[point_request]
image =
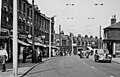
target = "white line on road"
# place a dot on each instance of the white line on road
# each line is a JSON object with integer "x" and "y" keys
{"x": 111, "y": 76}
{"x": 93, "y": 67}
{"x": 84, "y": 63}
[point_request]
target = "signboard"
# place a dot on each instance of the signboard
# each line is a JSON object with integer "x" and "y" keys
{"x": 22, "y": 36}
{"x": 38, "y": 39}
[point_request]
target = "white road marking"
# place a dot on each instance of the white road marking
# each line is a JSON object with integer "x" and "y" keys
{"x": 84, "y": 63}
{"x": 93, "y": 67}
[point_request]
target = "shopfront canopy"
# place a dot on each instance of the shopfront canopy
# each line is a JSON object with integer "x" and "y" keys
{"x": 23, "y": 43}
{"x": 36, "y": 43}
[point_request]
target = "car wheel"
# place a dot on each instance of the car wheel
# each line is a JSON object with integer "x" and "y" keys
{"x": 110, "y": 61}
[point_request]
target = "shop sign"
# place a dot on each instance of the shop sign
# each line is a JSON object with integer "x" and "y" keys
{"x": 38, "y": 39}
{"x": 22, "y": 36}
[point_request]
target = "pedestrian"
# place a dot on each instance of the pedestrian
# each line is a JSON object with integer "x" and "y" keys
{"x": 40, "y": 56}
{"x": 3, "y": 58}
{"x": 24, "y": 55}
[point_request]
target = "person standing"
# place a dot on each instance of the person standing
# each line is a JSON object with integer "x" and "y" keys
{"x": 24, "y": 55}
{"x": 3, "y": 58}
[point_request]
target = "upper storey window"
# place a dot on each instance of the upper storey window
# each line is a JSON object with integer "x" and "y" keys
{"x": 20, "y": 5}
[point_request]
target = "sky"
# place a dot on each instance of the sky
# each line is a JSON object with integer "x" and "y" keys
{"x": 80, "y": 12}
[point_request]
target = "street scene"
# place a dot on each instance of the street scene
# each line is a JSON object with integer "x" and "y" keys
{"x": 59, "y": 38}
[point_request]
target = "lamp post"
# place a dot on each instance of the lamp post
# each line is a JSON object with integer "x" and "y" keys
{"x": 70, "y": 4}
{"x": 0, "y": 14}
{"x": 50, "y": 36}
{"x": 15, "y": 43}
{"x": 33, "y": 37}
{"x": 101, "y": 4}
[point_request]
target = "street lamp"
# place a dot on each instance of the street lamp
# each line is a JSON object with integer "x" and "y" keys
{"x": 33, "y": 37}
{"x": 50, "y": 36}
{"x": 90, "y": 18}
{"x": 70, "y": 18}
{"x": 70, "y": 4}
{"x": 0, "y": 15}
{"x": 101, "y": 4}
{"x": 15, "y": 43}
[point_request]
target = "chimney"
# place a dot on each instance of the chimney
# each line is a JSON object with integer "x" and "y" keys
{"x": 113, "y": 19}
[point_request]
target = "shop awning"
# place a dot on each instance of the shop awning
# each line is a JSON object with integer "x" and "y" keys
{"x": 54, "y": 47}
{"x": 37, "y": 43}
{"x": 4, "y": 37}
{"x": 23, "y": 43}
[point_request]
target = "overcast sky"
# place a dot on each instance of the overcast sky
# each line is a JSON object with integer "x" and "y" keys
{"x": 80, "y": 12}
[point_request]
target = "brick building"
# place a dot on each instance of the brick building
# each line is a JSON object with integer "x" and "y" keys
{"x": 112, "y": 37}
{"x": 41, "y": 25}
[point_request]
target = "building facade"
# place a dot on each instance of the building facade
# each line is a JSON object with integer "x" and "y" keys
{"x": 112, "y": 37}
{"x": 41, "y": 25}
{"x": 78, "y": 42}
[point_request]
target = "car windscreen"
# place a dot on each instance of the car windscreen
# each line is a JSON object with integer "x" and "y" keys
{"x": 100, "y": 51}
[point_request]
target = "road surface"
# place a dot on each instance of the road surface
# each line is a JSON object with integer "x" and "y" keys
{"x": 73, "y": 66}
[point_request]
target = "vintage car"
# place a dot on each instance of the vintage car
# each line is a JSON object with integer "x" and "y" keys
{"x": 83, "y": 53}
{"x": 102, "y": 55}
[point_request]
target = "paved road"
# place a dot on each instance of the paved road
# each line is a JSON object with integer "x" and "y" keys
{"x": 112, "y": 69}
{"x": 73, "y": 66}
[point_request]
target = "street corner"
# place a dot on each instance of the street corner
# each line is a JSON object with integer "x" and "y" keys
{"x": 6, "y": 73}
{"x": 23, "y": 70}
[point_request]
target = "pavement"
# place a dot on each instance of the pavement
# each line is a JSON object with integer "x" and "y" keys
{"x": 23, "y": 68}
{"x": 116, "y": 60}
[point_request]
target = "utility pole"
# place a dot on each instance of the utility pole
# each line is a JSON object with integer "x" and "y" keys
{"x": 50, "y": 35}
{"x": 100, "y": 32}
{"x": 71, "y": 37}
{"x": 100, "y": 38}
{"x": 50, "y": 39}
{"x": 33, "y": 36}
{"x": 60, "y": 37}
{"x": 72, "y": 44}
{"x": 15, "y": 42}
{"x": 0, "y": 14}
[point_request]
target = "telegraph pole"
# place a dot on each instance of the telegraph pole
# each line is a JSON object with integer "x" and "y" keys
{"x": 60, "y": 37}
{"x": 15, "y": 43}
{"x": 100, "y": 38}
{"x": 100, "y": 32}
{"x": 50, "y": 39}
{"x": 33, "y": 36}
{"x": 50, "y": 35}
{"x": 72, "y": 44}
{"x": 0, "y": 14}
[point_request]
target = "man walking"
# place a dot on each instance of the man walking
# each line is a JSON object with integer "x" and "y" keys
{"x": 3, "y": 57}
{"x": 24, "y": 55}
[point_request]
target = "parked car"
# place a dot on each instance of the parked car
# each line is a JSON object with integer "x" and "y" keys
{"x": 102, "y": 55}
{"x": 85, "y": 54}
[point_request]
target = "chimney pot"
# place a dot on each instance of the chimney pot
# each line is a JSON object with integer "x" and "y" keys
{"x": 113, "y": 20}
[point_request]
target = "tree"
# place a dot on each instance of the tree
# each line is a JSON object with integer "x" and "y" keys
{"x": 86, "y": 36}
{"x": 79, "y": 35}
{"x": 91, "y": 36}
{"x": 96, "y": 37}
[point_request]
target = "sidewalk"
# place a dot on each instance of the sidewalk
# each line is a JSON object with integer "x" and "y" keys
{"x": 23, "y": 68}
{"x": 116, "y": 60}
